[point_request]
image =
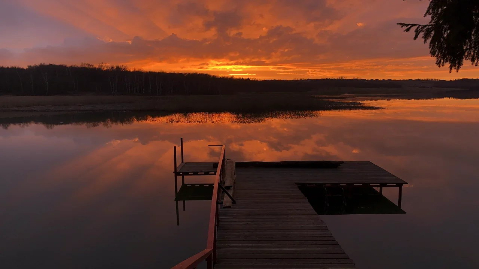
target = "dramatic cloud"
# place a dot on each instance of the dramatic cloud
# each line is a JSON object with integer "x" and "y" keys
{"x": 263, "y": 39}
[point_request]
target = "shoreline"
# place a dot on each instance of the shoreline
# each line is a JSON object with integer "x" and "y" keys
{"x": 243, "y": 103}
{"x": 252, "y": 104}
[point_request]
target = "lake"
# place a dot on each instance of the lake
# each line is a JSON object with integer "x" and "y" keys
{"x": 100, "y": 194}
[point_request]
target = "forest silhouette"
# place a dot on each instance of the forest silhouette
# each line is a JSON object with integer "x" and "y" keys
{"x": 87, "y": 79}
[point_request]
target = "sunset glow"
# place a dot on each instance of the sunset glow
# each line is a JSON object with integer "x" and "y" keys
{"x": 277, "y": 39}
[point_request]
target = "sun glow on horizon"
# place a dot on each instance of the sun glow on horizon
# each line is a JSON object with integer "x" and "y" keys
{"x": 258, "y": 39}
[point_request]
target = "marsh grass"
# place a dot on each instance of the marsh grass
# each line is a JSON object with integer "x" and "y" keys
{"x": 241, "y": 103}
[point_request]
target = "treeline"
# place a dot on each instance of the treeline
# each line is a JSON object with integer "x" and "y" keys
{"x": 467, "y": 84}
{"x": 49, "y": 79}
{"x": 102, "y": 79}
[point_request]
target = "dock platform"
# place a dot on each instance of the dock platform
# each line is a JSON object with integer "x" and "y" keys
{"x": 273, "y": 224}
{"x": 196, "y": 168}
{"x": 268, "y": 214}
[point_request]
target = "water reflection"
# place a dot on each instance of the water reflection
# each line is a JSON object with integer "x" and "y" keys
{"x": 108, "y": 119}
{"x": 191, "y": 192}
{"x": 445, "y": 109}
{"x": 102, "y": 197}
{"x": 348, "y": 200}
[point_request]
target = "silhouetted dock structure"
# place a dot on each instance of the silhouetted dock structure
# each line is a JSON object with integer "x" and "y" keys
{"x": 270, "y": 223}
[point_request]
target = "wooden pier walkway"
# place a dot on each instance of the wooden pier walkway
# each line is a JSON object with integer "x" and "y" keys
{"x": 272, "y": 224}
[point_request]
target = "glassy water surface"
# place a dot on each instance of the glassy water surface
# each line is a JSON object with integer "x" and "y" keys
{"x": 84, "y": 194}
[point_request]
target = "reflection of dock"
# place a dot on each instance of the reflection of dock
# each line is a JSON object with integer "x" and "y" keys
{"x": 196, "y": 168}
{"x": 337, "y": 200}
{"x": 194, "y": 192}
{"x": 276, "y": 221}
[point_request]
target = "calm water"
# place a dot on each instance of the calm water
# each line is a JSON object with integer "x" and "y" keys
{"x": 102, "y": 195}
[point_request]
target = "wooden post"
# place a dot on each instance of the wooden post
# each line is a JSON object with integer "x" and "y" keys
{"x": 176, "y": 177}
{"x": 214, "y": 241}
{"x": 209, "y": 262}
{"x": 224, "y": 161}
{"x": 184, "y": 205}
{"x": 176, "y": 187}
{"x": 182, "y": 159}
{"x": 223, "y": 167}
{"x": 400, "y": 196}
{"x": 381, "y": 190}
{"x": 217, "y": 217}
{"x": 182, "y": 180}
{"x": 177, "y": 214}
{"x": 174, "y": 159}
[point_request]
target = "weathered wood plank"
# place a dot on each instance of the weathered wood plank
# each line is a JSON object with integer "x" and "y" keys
{"x": 278, "y": 243}
{"x": 230, "y": 178}
{"x": 271, "y": 227}
{"x": 263, "y": 217}
{"x": 283, "y": 262}
{"x": 347, "y": 173}
{"x": 230, "y": 174}
{"x": 197, "y": 168}
{"x": 279, "y": 232}
{"x": 279, "y": 266}
{"x": 277, "y": 250}
{"x": 280, "y": 255}
{"x": 251, "y": 224}
{"x": 278, "y": 236}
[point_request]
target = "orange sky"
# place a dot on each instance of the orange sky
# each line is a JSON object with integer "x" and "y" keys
{"x": 263, "y": 39}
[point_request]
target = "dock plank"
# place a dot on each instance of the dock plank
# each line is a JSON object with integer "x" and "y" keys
{"x": 230, "y": 177}
{"x": 196, "y": 168}
{"x": 285, "y": 263}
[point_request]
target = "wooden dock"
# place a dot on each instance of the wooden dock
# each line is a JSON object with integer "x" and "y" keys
{"x": 274, "y": 226}
{"x": 269, "y": 222}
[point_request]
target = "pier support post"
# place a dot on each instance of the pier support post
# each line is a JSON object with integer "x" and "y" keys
{"x": 182, "y": 159}
{"x": 209, "y": 262}
{"x": 177, "y": 214}
{"x": 400, "y": 196}
{"x": 175, "y": 167}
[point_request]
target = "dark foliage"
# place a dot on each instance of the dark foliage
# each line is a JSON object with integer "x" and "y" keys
{"x": 52, "y": 79}
{"x": 452, "y": 33}
{"x": 115, "y": 80}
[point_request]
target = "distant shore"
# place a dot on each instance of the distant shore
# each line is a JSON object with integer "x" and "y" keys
{"x": 346, "y": 99}
{"x": 241, "y": 103}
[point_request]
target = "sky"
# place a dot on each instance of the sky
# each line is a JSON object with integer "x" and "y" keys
{"x": 261, "y": 39}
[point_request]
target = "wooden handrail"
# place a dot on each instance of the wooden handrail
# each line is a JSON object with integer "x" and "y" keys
{"x": 194, "y": 260}
{"x": 209, "y": 254}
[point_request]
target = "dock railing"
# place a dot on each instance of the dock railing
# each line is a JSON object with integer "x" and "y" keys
{"x": 209, "y": 254}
